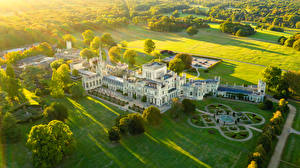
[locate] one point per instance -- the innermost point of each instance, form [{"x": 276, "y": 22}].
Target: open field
[
  {"x": 291, "y": 155},
  {"x": 232, "y": 73},
  {"x": 212, "y": 42},
  {"x": 172, "y": 144}
]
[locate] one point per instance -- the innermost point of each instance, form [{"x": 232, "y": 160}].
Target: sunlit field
[
  {"x": 171, "y": 144},
  {"x": 211, "y": 42}
]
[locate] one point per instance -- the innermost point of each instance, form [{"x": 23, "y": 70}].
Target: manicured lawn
[
  {"x": 232, "y": 72},
  {"x": 172, "y": 144},
  {"x": 291, "y": 155},
  {"x": 296, "y": 123},
  {"x": 212, "y": 42}
]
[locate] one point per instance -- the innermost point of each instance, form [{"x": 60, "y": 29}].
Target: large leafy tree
[
  {"x": 176, "y": 65},
  {"x": 149, "y": 46},
  {"x": 130, "y": 55},
  {"x": 95, "y": 44},
  {"x": 152, "y": 115},
  {"x": 56, "y": 111},
  {"x": 46, "y": 49},
  {"x": 114, "y": 54},
  {"x": 136, "y": 124},
  {"x": 88, "y": 36},
  {"x": 88, "y": 53},
  {"x": 56, "y": 85},
  {"x": 10, "y": 83},
  {"x": 50, "y": 143},
  {"x": 77, "y": 91},
  {"x": 272, "y": 76},
  {"x": 57, "y": 63},
  {"x": 107, "y": 40},
  {"x": 186, "y": 58},
  {"x": 64, "y": 75}
]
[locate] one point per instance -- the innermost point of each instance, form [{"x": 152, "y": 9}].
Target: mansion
[{"x": 153, "y": 82}]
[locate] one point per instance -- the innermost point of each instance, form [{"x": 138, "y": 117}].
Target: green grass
[
  {"x": 212, "y": 42},
  {"x": 232, "y": 72},
  {"x": 171, "y": 144},
  {"x": 296, "y": 123},
  {"x": 291, "y": 155}
]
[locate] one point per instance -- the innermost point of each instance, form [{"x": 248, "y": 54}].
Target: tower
[
  {"x": 261, "y": 87},
  {"x": 100, "y": 69}
]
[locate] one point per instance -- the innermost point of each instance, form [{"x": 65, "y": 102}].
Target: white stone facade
[{"x": 154, "y": 83}]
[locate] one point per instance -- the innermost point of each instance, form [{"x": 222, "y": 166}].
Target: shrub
[
  {"x": 56, "y": 111},
  {"x": 281, "y": 40},
  {"x": 144, "y": 98},
  {"x": 124, "y": 124},
  {"x": 276, "y": 28},
  {"x": 152, "y": 115},
  {"x": 114, "y": 134},
  {"x": 289, "y": 42}
]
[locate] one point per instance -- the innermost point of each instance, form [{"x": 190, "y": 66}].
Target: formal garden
[{"x": 231, "y": 124}]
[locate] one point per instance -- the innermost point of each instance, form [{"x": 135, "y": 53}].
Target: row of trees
[
  {"x": 282, "y": 84},
  {"x": 268, "y": 136},
  {"x": 277, "y": 12},
  {"x": 237, "y": 29},
  {"x": 292, "y": 41},
  {"x": 172, "y": 24},
  {"x": 134, "y": 123},
  {"x": 41, "y": 49}
]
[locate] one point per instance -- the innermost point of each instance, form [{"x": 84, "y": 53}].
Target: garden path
[{"x": 276, "y": 157}]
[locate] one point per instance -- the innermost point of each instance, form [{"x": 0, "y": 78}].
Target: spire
[{"x": 100, "y": 53}]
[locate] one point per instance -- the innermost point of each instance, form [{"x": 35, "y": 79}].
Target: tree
[
  {"x": 130, "y": 55},
  {"x": 176, "y": 108},
  {"x": 192, "y": 30},
  {"x": 289, "y": 42},
  {"x": 186, "y": 58},
  {"x": 149, "y": 46},
  {"x": 266, "y": 105},
  {"x": 75, "y": 72},
  {"x": 176, "y": 65},
  {"x": 296, "y": 45},
  {"x": 144, "y": 98},
  {"x": 56, "y": 111},
  {"x": 152, "y": 115},
  {"x": 88, "y": 53},
  {"x": 34, "y": 77},
  {"x": 114, "y": 134},
  {"x": 124, "y": 124},
  {"x": 283, "y": 106},
  {"x": 50, "y": 143},
  {"x": 69, "y": 37},
  {"x": 298, "y": 25},
  {"x": 63, "y": 73},
  {"x": 188, "y": 106},
  {"x": 176, "y": 14},
  {"x": 293, "y": 80},
  {"x": 260, "y": 149},
  {"x": 11, "y": 83},
  {"x": 46, "y": 49},
  {"x": 10, "y": 129},
  {"x": 77, "y": 91},
  {"x": 114, "y": 54},
  {"x": 95, "y": 44},
  {"x": 136, "y": 124},
  {"x": 272, "y": 76},
  {"x": 252, "y": 164},
  {"x": 266, "y": 141},
  {"x": 124, "y": 44},
  {"x": 57, "y": 63},
  {"x": 56, "y": 85},
  {"x": 281, "y": 40},
  {"x": 88, "y": 36},
  {"x": 107, "y": 40}
]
